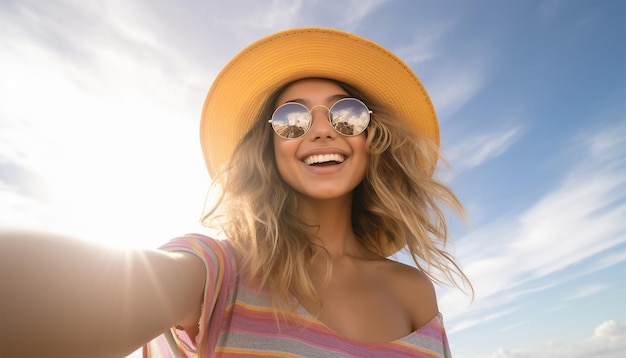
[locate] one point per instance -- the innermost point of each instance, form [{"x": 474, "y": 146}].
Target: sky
[{"x": 100, "y": 104}]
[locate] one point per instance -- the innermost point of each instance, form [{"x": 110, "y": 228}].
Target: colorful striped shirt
[{"x": 239, "y": 321}]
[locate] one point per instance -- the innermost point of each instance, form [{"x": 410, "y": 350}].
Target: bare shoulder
[{"x": 414, "y": 290}]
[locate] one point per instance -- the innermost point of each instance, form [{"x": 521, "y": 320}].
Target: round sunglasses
[{"x": 348, "y": 117}]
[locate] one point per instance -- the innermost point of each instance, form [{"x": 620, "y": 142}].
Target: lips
[{"x": 332, "y": 158}]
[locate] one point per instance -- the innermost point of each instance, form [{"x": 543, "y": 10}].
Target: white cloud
[
  {"x": 478, "y": 149},
  {"x": 587, "y": 291},
  {"x": 579, "y": 214},
  {"x": 423, "y": 46},
  {"x": 455, "y": 86},
  {"x": 356, "y": 11},
  {"x": 108, "y": 134},
  {"x": 465, "y": 324},
  {"x": 608, "y": 341},
  {"x": 266, "y": 16},
  {"x": 579, "y": 219},
  {"x": 609, "y": 260}
]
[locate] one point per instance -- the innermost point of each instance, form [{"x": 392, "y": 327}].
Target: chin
[{"x": 329, "y": 194}]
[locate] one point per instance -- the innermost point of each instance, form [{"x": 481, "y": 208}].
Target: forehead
[{"x": 312, "y": 90}]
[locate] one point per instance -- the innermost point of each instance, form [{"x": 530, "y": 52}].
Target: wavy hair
[{"x": 398, "y": 204}]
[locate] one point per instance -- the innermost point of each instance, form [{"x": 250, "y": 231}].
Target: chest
[
  {"x": 361, "y": 305},
  {"x": 251, "y": 326}
]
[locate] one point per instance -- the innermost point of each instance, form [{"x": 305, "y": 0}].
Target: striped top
[{"x": 238, "y": 321}]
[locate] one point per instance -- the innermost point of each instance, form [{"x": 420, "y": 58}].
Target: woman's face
[{"x": 322, "y": 164}]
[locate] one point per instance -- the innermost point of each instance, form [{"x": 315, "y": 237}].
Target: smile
[{"x": 324, "y": 159}]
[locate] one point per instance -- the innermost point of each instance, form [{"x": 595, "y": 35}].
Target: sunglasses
[{"x": 348, "y": 117}]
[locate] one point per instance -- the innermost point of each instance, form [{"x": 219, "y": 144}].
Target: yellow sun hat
[{"x": 242, "y": 88}]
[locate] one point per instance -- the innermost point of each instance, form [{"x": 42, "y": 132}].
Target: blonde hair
[{"x": 396, "y": 205}]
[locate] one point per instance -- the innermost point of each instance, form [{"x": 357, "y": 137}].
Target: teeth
[{"x": 323, "y": 158}]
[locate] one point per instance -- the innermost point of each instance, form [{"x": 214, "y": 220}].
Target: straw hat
[{"x": 241, "y": 89}]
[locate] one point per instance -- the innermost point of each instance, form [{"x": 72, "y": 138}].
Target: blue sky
[{"x": 100, "y": 104}]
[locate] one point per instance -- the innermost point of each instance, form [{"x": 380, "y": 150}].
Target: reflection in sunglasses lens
[
  {"x": 291, "y": 120},
  {"x": 349, "y": 116}
]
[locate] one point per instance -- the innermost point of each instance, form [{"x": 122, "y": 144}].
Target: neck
[{"x": 331, "y": 222}]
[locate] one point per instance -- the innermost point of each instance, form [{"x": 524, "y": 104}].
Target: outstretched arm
[{"x": 71, "y": 298}]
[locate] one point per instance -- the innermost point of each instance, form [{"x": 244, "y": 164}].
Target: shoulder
[
  {"x": 206, "y": 248},
  {"x": 210, "y": 259},
  {"x": 414, "y": 290}
]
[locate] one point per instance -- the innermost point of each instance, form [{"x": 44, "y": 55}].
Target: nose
[{"x": 321, "y": 128}]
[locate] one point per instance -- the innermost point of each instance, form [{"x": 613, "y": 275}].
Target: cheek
[
  {"x": 361, "y": 143},
  {"x": 360, "y": 158},
  {"x": 284, "y": 152}
]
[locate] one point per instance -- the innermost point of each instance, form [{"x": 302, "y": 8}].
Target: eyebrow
[{"x": 331, "y": 99}]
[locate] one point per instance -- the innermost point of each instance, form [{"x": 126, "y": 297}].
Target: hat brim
[{"x": 246, "y": 83}]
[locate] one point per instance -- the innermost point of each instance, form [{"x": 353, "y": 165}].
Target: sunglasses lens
[
  {"x": 291, "y": 120},
  {"x": 349, "y": 116}
]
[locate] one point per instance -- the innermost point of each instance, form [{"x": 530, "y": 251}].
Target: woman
[{"x": 323, "y": 146}]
